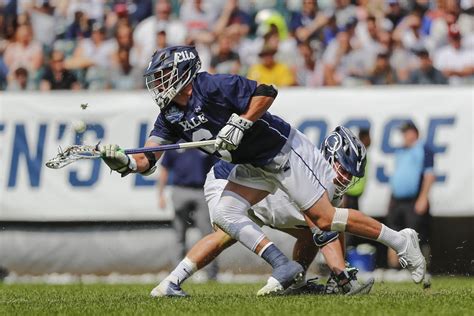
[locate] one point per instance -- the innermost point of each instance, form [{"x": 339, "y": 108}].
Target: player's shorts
[
  {"x": 275, "y": 210},
  {"x": 299, "y": 170}
]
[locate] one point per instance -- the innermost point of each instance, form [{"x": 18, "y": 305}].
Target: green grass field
[{"x": 448, "y": 296}]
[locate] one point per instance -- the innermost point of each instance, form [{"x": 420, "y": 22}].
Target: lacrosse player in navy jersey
[{"x": 268, "y": 153}]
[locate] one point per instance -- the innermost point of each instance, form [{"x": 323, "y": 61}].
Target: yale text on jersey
[{"x": 193, "y": 122}]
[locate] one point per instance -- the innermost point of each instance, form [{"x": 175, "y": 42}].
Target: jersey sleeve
[
  {"x": 231, "y": 91},
  {"x": 162, "y": 132}
]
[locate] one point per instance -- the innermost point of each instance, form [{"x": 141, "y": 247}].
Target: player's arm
[
  {"x": 143, "y": 163},
  {"x": 232, "y": 133},
  {"x": 421, "y": 204},
  {"x": 260, "y": 102}
]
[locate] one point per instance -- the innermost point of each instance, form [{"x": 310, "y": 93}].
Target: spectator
[
  {"x": 95, "y": 51},
  {"x": 394, "y": 12},
  {"x": 409, "y": 32},
  {"x": 162, "y": 20},
  {"x": 93, "y": 55},
  {"x": 24, "y": 52},
  {"x": 233, "y": 16},
  {"x": 411, "y": 183},
  {"x": 56, "y": 76},
  {"x": 368, "y": 34},
  {"x": 188, "y": 170},
  {"x": 122, "y": 75},
  {"x": 79, "y": 28},
  {"x": 19, "y": 80},
  {"x": 225, "y": 60},
  {"x": 344, "y": 62},
  {"x": 383, "y": 73},
  {"x": 426, "y": 73},
  {"x": 124, "y": 40},
  {"x": 269, "y": 71},
  {"x": 456, "y": 62},
  {"x": 309, "y": 72},
  {"x": 402, "y": 60},
  {"x": 305, "y": 25},
  {"x": 199, "y": 20}
]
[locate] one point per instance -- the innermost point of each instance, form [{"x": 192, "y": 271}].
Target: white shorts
[
  {"x": 309, "y": 174},
  {"x": 275, "y": 210},
  {"x": 300, "y": 170}
]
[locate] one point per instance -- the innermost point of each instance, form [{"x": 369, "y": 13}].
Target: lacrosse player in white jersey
[{"x": 279, "y": 212}]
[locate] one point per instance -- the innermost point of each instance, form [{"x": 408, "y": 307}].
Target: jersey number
[{"x": 204, "y": 134}]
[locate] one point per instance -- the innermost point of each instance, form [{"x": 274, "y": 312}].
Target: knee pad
[
  {"x": 231, "y": 216},
  {"x": 339, "y": 221}
]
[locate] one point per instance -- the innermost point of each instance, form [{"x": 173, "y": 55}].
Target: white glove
[
  {"x": 231, "y": 134},
  {"x": 117, "y": 160}
]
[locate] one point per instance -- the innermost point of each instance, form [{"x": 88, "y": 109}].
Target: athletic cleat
[
  {"x": 304, "y": 288},
  {"x": 412, "y": 258},
  {"x": 346, "y": 283},
  {"x": 168, "y": 289},
  {"x": 355, "y": 287},
  {"x": 282, "y": 278}
]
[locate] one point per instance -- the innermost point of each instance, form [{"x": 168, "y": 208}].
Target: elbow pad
[{"x": 266, "y": 91}]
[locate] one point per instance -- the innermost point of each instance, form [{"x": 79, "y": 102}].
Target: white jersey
[{"x": 276, "y": 210}]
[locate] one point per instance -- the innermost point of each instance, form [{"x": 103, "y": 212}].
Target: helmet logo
[
  {"x": 333, "y": 143},
  {"x": 183, "y": 56}
]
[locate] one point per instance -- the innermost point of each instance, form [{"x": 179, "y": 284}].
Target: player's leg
[
  {"x": 305, "y": 181},
  {"x": 332, "y": 247},
  {"x": 405, "y": 242},
  {"x": 200, "y": 255},
  {"x": 396, "y": 219},
  {"x": 201, "y": 219},
  {"x": 232, "y": 217}
]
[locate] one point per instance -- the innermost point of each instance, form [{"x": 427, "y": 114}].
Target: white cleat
[
  {"x": 273, "y": 287},
  {"x": 412, "y": 258},
  {"x": 289, "y": 274},
  {"x": 360, "y": 288},
  {"x": 167, "y": 289}
]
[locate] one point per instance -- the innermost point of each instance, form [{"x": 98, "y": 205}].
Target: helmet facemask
[
  {"x": 165, "y": 84},
  {"x": 344, "y": 180}
]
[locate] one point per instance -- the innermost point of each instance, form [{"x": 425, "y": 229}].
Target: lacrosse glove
[
  {"x": 117, "y": 160},
  {"x": 231, "y": 134}
]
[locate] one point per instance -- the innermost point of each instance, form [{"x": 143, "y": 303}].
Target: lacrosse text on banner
[{"x": 31, "y": 135}]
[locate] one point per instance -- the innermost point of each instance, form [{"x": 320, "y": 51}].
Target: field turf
[{"x": 448, "y": 296}]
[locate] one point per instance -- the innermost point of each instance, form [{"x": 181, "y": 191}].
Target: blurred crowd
[{"x": 107, "y": 44}]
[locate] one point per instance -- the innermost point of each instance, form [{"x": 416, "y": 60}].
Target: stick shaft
[{"x": 170, "y": 147}]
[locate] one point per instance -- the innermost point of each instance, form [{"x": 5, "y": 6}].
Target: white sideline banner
[{"x": 33, "y": 125}]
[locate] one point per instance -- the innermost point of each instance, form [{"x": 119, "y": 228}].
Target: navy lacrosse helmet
[
  {"x": 344, "y": 147},
  {"x": 169, "y": 71}
]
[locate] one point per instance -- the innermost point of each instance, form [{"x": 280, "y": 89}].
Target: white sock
[
  {"x": 184, "y": 270},
  {"x": 392, "y": 239}
]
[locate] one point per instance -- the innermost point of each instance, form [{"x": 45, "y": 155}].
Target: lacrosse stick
[{"x": 80, "y": 152}]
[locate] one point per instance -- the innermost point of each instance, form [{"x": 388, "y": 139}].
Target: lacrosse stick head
[{"x": 71, "y": 154}]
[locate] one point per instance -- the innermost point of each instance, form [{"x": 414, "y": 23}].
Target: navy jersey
[
  {"x": 189, "y": 167},
  {"x": 214, "y": 98}
]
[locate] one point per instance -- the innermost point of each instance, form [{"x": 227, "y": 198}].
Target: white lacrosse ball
[{"x": 79, "y": 126}]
